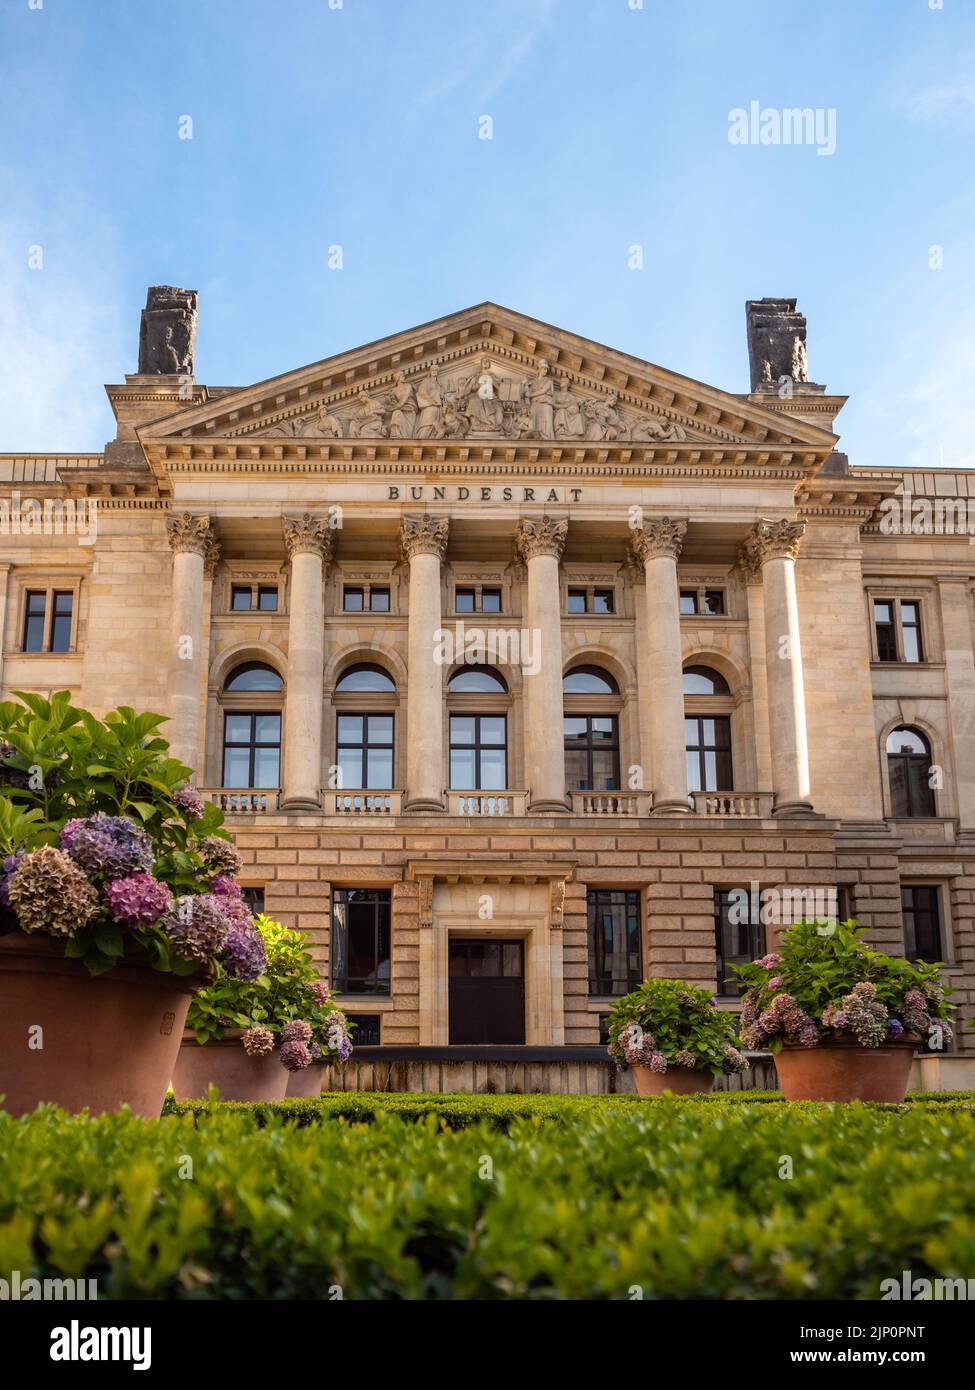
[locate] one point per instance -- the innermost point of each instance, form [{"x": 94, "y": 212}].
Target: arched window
[
  {"x": 364, "y": 728},
  {"x": 590, "y": 724},
  {"x": 253, "y": 675},
  {"x": 909, "y": 772},
  {"x": 477, "y": 680},
  {"x": 365, "y": 678},
  {"x": 251, "y": 702},
  {"x": 707, "y": 730},
  {"x": 478, "y": 733}
]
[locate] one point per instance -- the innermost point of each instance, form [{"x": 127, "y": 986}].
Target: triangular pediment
[{"x": 486, "y": 373}]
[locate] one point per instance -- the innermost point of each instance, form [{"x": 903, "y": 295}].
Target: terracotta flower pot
[
  {"x": 308, "y": 1081},
  {"x": 844, "y": 1070},
  {"x": 227, "y": 1066},
  {"x": 106, "y": 1040},
  {"x": 683, "y": 1081}
]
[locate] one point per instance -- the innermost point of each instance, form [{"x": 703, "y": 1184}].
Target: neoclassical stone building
[{"x": 524, "y": 668}]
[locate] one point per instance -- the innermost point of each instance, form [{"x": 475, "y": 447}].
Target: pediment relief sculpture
[{"x": 482, "y": 402}]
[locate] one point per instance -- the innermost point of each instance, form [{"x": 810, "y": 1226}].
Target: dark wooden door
[{"x": 487, "y": 991}]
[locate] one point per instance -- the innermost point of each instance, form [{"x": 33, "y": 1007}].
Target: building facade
[{"x": 524, "y": 668}]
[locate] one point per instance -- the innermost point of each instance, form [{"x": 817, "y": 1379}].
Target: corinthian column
[
  {"x": 657, "y": 544},
  {"x": 424, "y": 540},
  {"x": 773, "y": 546},
  {"x": 195, "y": 554},
  {"x": 309, "y": 544},
  {"x": 539, "y": 543}
]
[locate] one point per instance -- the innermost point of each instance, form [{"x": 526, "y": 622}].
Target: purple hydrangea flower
[
  {"x": 138, "y": 900},
  {"x": 197, "y": 926},
  {"x": 225, "y": 887},
  {"x": 776, "y": 982},
  {"x": 894, "y": 1028},
  {"x": 111, "y": 845},
  {"x": 685, "y": 1059},
  {"x": 337, "y": 1035},
  {"x": 190, "y": 802},
  {"x": 296, "y": 1031},
  {"x": 220, "y": 855},
  {"x": 770, "y": 961},
  {"x": 10, "y": 864},
  {"x": 295, "y": 1055},
  {"x": 315, "y": 1052},
  {"x": 244, "y": 953},
  {"x": 258, "y": 1042},
  {"x": 320, "y": 992}
]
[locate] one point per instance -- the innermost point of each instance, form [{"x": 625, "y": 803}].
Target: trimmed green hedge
[
  {"x": 677, "y": 1198},
  {"x": 463, "y": 1108}
]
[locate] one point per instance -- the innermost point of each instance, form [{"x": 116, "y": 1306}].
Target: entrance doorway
[{"x": 487, "y": 991}]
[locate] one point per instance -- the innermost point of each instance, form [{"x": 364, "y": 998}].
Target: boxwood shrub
[{"x": 585, "y": 1198}]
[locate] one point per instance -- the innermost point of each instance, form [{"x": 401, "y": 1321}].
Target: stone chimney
[
  {"x": 777, "y": 347},
  {"x": 167, "y": 332}
]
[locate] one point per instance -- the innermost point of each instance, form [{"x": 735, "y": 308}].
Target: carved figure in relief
[
  {"x": 603, "y": 419},
  {"x": 569, "y": 422},
  {"x": 540, "y": 393},
  {"x": 367, "y": 422},
  {"x": 429, "y": 400},
  {"x": 403, "y": 404},
  {"x": 482, "y": 404},
  {"x": 650, "y": 429}
]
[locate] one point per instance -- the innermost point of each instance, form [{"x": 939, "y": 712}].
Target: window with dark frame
[
  {"x": 909, "y": 774},
  {"x": 576, "y": 601},
  {"x": 361, "y": 940},
  {"x": 599, "y": 601},
  {"x": 353, "y": 600},
  {"x": 253, "y": 900},
  {"x": 478, "y": 752},
  {"x": 490, "y": 600},
  {"x": 592, "y": 752},
  {"x": 378, "y": 600},
  {"x": 615, "y": 952},
  {"x": 707, "y": 603},
  {"x": 252, "y": 748},
  {"x": 240, "y": 598},
  {"x": 921, "y": 913},
  {"x": 688, "y": 602},
  {"x": 367, "y": 1030},
  {"x": 364, "y": 750},
  {"x": 267, "y": 598},
  {"x": 61, "y": 612},
  {"x": 897, "y": 625},
  {"x": 739, "y": 935},
  {"x": 707, "y": 742},
  {"x": 35, "y": 611}
]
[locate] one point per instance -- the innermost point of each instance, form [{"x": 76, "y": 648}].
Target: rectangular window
[
  {"x": 465, "y": 600},
  {"x": 378, "y": 600},
  {"x": 478, "y": 752},
  {"x": 251, "y": 750},
  {"x": 253, "y": 900},
  {"x": 353, "y": 600},
  {"x": 240, "y": 598},
  {"x": 615, "y": 955},
  {"x": 688, "y": 602},
  {"x": 708, "y": 751},
  {"x": 367, "y": 1030},
  {"x": 576, "y": 601},
  {"x": 34, "y": 614},
  {"x": 602, "y": 601},
  {"x": 739, "y": 934},
  {"x": 713, "y": 602},
  {"x": 911, "y": 631},
  {"x": 361, "y": 940},
  {"x": 267, "y": 598},
  {"x": 364, "y": 751},
  {"x": 490, "y": 600},
  {"x": 921, "y": 912},
  {"x": 61, "y": 621},
  {"x": 592, "y": 759},
  {"x": 703, "y": 603}
]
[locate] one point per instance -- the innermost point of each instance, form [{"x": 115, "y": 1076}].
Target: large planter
[
  {"x": 306, "y": 1082},
  {"x": 842, "y": 1070},
  {"x": 226, "y": 1065},
  {"x": 682, "y": 1081},
  {"x": 85, "y": 1041}
]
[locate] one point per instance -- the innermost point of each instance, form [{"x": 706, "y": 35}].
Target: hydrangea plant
[
  {"x": 106, "y": 847},
  {"x": 824, "y": 983},
  {"x": 669, "y": 1023},
  {"x": 287, "y": 1003}
]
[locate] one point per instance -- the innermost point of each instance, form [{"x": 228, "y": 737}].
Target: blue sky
[{"x": 356, "y": 124}]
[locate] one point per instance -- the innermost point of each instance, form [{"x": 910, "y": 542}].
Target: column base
[
  {"x": 673, "y": 807},
  {"x": 793, "y": 808},
  {"x": 305, "y": 805},
  {"x": 558, "y": 806},
  {"x": 422, "y": 804}
]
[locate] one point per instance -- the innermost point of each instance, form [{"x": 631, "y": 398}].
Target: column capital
[
  {"x": 307, "y": 535},
  {"x": 663, "y": 536},
  {"x": 424, "y": 535},
  {"x": 191, "y": 534},
  {"x": 540, "y": 536},
  {"x": 770, "y": 540}
]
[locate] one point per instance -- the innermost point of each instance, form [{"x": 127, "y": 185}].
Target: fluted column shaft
[
  {"x": 309, "y": 544},
  {"x": 195, "y": 554},
  {"x": 658, "y": 544},
  {"x": 773, "y": 545},
  {"x": 540, "y": 543},
  {"x": 424, "y": 540}
]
